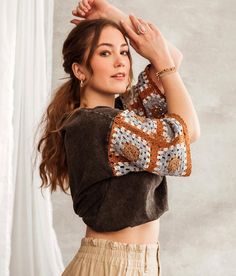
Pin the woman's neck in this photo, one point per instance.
(96, 99)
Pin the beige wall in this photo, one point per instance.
(198, 232)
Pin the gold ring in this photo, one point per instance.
(141, 29)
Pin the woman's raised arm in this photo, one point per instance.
(93, 9)
(152, 46)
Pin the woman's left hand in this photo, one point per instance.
(148, 41)
(89, 9)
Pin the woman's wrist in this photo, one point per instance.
(105, 11)
(161, 64)
(175, 53)
(115, 14)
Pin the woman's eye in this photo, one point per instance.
(125, 53)
(104, 53)
(107, 53)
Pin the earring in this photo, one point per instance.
(81, 83)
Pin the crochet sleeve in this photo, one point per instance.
(160, 146)
(145, 98)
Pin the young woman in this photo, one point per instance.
(114, 152)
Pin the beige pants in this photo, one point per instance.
(100, 257)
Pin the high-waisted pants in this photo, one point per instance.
(100, 257)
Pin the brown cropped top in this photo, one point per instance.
(118, 158)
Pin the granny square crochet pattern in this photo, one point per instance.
(160, 146)
(145, 98)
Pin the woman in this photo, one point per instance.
(115, 153)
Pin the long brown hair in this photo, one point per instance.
(66, 101)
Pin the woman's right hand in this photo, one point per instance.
(90, 9)
(150, 44)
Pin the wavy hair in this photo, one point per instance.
(65, 102)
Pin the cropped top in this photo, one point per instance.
(118, 158)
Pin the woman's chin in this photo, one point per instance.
(120, 88)
(122, 91)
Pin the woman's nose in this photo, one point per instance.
(119, 62)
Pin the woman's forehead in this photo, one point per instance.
(111, 35)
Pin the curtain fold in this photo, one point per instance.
(28, 243)
(7, 62)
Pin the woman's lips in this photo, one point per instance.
(119, 76)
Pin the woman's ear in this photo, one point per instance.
(78, 71)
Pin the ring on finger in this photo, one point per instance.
(141, 29)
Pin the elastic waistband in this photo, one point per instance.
(137, 255)
(103, 243)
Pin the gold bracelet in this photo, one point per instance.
(165, 71)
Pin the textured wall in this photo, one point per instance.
(198, 233)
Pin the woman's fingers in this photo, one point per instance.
(86, 4)
(136, 24)
(144, 23)
(83, 7)
(145, 38)
(133, 45)
(154, 28)
(74, 12)
(91, 2)
(151, 26)
(82, 10)
(78, 12)
(130, 32)
(141, 25)
(75, 21)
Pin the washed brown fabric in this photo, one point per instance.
(114, 181)
(106, 202)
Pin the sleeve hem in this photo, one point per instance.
(151, 82)
(187, 140)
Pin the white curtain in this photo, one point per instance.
(7, 51)
(28, 244)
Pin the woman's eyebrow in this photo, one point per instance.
(111, 45)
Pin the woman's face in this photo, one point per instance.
(110, 63)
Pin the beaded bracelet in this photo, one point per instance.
(165, 71)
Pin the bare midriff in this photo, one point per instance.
(144, 233)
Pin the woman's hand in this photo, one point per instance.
(149, 42)
(90, 9)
